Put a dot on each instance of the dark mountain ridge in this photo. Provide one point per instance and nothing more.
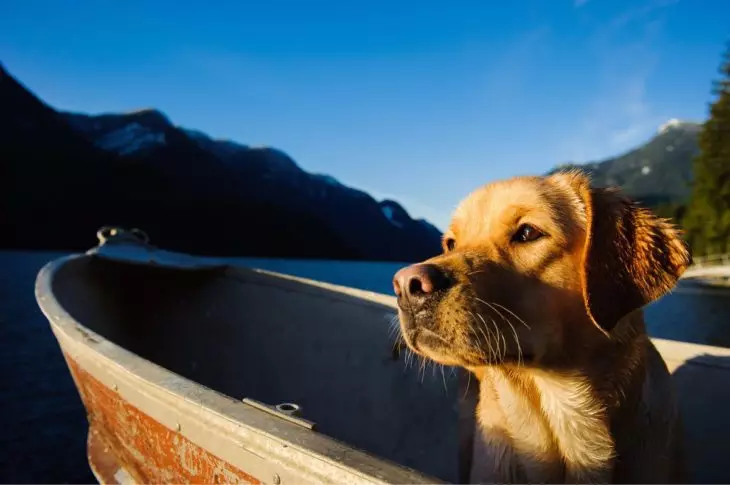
(69, 173)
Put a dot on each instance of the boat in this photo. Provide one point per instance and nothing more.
(197, 370)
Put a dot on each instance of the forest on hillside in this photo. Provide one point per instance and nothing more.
(706, 218)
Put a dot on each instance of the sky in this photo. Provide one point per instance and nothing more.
(419, 101)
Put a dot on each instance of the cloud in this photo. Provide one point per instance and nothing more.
(510, 73)
(639, 12)
(619, 119)
(621, 116)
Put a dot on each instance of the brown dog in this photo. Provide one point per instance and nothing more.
(539, 294)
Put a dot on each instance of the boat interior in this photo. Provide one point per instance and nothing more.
(250, 334)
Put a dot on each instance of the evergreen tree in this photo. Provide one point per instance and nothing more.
(707, 219)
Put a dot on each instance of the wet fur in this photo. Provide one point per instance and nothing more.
(569, 387)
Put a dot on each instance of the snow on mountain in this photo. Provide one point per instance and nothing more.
(123, 134)
(676, 123)
(389, 214)
(129, 139)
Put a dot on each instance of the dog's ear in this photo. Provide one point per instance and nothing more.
(631, 257)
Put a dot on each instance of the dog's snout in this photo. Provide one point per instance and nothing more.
(419, 280)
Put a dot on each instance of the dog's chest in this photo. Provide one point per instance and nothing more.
(539, 429)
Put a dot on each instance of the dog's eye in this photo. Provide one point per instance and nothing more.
(450, 244)
(527, 233)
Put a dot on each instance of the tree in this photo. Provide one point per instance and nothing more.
(707, 219)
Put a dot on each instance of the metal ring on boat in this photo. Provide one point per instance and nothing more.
(288, 408)
(107, 232)
(140, 234)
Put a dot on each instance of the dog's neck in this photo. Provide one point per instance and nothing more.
(545, 426)
(540, 427)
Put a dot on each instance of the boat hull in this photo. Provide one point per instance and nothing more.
(125, 444)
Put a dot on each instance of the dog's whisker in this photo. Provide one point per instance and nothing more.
(513, 314)
(422, 368)
(479, 345)
(482, 352)
(487, 342)
(492, 351)
(496, 329)
(478, 341)
(503, 354)
(517, 342)
(493, 354)
(468, 381)
(394, 326)
(443, 379)
(514, 332)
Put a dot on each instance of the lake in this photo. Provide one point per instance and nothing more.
(43, 424)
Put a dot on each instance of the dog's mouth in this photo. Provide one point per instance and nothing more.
(423, 338)
(420, 333)
(429, 344)
(417, 332)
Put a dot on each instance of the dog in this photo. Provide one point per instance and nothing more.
(539, 295)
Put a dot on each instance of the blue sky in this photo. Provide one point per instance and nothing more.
(411, 100)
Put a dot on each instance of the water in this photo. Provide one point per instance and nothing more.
(43, 424)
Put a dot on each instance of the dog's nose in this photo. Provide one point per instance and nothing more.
(419, 280)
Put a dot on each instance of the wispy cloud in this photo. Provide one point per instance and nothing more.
(639, 13)
(621, 116)
(510, 73)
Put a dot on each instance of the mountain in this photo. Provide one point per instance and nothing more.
(66, 174)
(656, 173)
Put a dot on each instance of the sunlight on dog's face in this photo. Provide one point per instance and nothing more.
(508, 276)
(536, 270)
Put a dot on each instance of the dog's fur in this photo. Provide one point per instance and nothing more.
(570, 387)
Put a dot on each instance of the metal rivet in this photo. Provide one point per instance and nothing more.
(277, 479)
(178, 427)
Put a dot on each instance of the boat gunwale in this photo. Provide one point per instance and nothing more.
(301, 455)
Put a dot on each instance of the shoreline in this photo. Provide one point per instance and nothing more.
(716, 286)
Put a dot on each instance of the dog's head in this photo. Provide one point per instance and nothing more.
(534, 269)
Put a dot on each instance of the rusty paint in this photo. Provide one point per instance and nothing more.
(122, 436)
(101, 460)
